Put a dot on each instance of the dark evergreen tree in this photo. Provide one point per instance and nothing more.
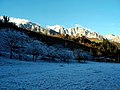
(6, 19)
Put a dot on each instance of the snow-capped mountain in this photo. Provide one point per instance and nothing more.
(26, 24)
(116, 39)
(113, 38)
(110, 36)
(57, 29)
(75, 31)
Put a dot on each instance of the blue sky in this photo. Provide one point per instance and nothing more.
(102, 16)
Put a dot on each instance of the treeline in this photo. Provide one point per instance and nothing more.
(20, 46)
(48, 39)
(104, 49)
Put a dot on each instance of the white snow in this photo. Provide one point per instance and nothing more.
(113, 38)
(55, 27)
(110, 36)
(17, 20)
(21, 75)
(73, 31)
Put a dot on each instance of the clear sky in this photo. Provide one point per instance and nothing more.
(102, 16)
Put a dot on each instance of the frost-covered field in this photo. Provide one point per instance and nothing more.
(20, 75)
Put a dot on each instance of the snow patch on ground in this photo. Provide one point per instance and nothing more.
(21, 75)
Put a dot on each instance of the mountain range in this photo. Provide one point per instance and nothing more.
(57, 29)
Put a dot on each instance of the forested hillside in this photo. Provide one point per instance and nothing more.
(109, 51)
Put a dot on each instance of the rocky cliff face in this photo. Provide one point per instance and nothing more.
(113, 38)
(57, 29)
(116, 39)
(110, 36)
(26, 24)
(75, 31)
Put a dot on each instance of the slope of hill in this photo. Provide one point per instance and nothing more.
(57, 29)
(26, 24)
(75, 31)
(104, 47)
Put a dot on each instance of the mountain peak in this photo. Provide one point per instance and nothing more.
(113, 38)
(78, 30)
(17, 21)
(54, 27)
(57, 28)
(110, 36)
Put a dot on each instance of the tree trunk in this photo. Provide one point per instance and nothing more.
(118, 59)
(33, 57)
(19, 56)
(68, 61)
(78, 60)
(49, 60)
(11, 53)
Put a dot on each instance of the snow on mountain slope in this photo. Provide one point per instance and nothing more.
(113, 38)
(57, 29)
(75, 31)
(17, 21)
(26, 24)
(110, 36)
(116, 39)
(21, 75)
(81, 31)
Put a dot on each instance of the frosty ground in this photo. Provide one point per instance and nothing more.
(21, 75)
